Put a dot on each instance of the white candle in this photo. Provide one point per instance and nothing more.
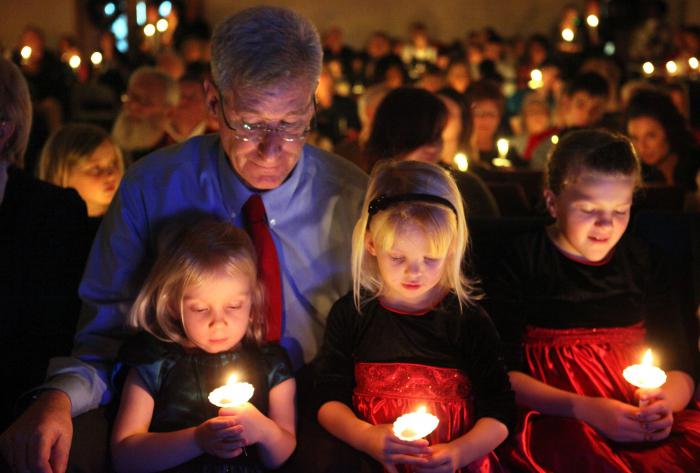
(645, 375)
(415, 425)
(232, 393)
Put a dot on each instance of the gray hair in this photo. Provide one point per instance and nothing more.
(262, 46)
(15, 107)
(170, 85)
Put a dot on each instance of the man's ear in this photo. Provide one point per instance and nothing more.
(212, 97)
(550, 202)
(369, 244)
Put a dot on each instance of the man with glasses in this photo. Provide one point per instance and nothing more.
(266, 64)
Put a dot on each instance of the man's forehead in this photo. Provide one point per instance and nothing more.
(277, 100)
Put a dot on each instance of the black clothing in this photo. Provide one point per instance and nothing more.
(536, 284)
(43, 247)
(441, 337)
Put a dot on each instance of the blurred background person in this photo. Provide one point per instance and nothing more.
(140, 127)
(190, 117)
(83, 157)
(336, 116)
(486, 108)
(409, 124)
(663, 141)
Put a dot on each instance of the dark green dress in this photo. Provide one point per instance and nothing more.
(180, 381)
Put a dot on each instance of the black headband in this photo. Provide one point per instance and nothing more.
(383, 202)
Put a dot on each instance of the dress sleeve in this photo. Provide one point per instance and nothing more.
(483, 360)
(148, 356)
(335, 368)
(279, 368)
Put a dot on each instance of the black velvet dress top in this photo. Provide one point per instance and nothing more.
(180, 381)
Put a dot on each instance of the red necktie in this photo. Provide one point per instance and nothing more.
(268, 264)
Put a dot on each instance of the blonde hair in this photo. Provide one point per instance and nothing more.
(190, 256)
(446, 228)
(69, 146)
(15, 107)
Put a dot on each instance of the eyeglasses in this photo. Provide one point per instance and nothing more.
(256, 132)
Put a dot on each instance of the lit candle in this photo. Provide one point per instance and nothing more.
(648, 68)
(162, 25)
(96, 58)
(535, 81)
(26, 52)
(592, 21)
(74, 61)
(567, 35)
(232, 393)
(502, 161)
(645, 375)
(461, 161)
(149, 30)
(693, 62)
(415, 425)
(672, 67)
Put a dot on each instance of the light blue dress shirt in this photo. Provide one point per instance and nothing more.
(311, 216)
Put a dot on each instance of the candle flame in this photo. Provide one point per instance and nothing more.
(421, 409)
(461, 161)
(233, 379)
(647, 360)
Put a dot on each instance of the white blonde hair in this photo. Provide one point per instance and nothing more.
(445, 228)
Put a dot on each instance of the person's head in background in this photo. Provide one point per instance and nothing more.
(659, 132)
(191, 116)
(536, 50)
(83, 157)
(458, 77)
(15, 118)
(378, 45)
(590, 180)
(584, 101)
(367, 105)
(609, 70)
(391, 72)
(432, 80)
(171, 63)
(408, 125)
(535, 114)
(149, 100)
(486, 104)
(32, 37)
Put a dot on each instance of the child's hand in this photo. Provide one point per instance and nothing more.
(219, 437)
(656, 417)
(444, 458)
(251, 421)
(614, 419)
(389, 450)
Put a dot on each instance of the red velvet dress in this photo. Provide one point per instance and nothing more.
(384, 364)
(584, 350)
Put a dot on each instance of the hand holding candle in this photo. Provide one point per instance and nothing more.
(645, 375)
(232, 393)
(416, 425)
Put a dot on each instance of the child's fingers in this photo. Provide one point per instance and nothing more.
(220, 423)
(662, 423)
(403, 459)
